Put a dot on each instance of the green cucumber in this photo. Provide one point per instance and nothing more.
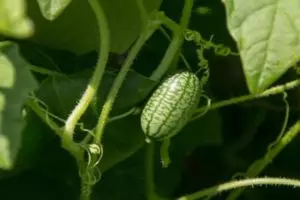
(171, 106)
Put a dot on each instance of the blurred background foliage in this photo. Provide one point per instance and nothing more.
(206, 152)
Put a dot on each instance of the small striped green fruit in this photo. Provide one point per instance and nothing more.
(171, 106)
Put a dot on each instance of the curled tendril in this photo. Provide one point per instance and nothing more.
(95, 149)
(45, 108)
(285, 122)
(205, 77)
(222, 50)
(203, 62)
(207, 107)
(82, 128)
(192, 36)
(95, 154)
(90, 173)
(207, 44)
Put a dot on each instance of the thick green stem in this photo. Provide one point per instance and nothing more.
(242, 183)
(95, 81)
(85, 193)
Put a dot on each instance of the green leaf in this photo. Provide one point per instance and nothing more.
(14, 22)
(33, 141)
(204, 131)
(51, 9)
(35, 136)
(15, 84)
(121, 140)
(127, 176)
(267, 34)
(81, 37)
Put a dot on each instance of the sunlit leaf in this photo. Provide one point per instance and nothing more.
(13, 19)
(51, 9)
(15, 84)
(267, 34)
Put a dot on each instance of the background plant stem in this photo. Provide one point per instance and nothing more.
(173, 50)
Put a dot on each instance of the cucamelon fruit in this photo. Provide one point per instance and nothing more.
(170, 107)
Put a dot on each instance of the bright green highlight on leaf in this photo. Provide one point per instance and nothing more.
(267, 34)
(13, 21)
(51, 9)
(15, 84)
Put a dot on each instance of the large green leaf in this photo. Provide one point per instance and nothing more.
(51, 9)
(267, 34)
(15, 84)
(76, 28)
(14, 21)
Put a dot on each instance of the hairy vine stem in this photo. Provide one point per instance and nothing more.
(272, 91)
(95, 81)
(241, 183)
(88, 95)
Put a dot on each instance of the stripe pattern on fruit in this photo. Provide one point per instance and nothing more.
(171, 106)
